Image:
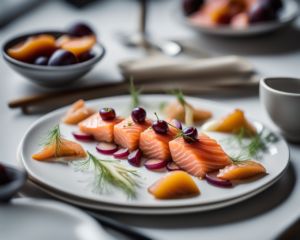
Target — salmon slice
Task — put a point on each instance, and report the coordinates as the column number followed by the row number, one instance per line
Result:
column 102, row 130
column 243, row 170
column 200, row 157
column 127, row 133
column 176, row 110
column 65, row 149
column 155, row 145
column 77, row 113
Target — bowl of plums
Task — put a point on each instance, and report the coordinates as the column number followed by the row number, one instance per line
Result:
column 54, row 58
column 238, row 17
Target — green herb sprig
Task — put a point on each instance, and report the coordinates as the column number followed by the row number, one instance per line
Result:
column 181, row 134
column 257, row 144
column 54, row 138
column 179, row 96
column 109, row 173
column 134, row 94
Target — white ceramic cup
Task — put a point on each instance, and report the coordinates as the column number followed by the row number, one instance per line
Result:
column 281, row 98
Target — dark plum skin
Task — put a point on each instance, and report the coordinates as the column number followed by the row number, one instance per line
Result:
column 191, row 6
column 138, row 115
column 276, row 4
column 261, row 11
column 107, row 113
column 4, row 177
column 86, row 56
column 41, row 61
column 160, row 126
column 192, row 133
column 79, row 30
column 62, row 57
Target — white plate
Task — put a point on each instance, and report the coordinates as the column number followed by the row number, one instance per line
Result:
column 46, row 219
column 63, row 178
column 35, row 190
column 136, row 210
column 288, row 14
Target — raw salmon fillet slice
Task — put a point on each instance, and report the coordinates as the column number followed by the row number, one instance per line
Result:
column 127, row 133
column 77, row 113
column 243, row 170
column 155, row 145
column 66, row 149
column 200, row 157
column 102, row 130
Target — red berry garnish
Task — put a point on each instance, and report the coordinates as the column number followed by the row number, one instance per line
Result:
column 107, row 113
column 160, row 126
column 138, row 115
column 190, row 132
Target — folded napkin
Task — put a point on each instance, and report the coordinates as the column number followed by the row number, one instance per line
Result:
column 159, row 67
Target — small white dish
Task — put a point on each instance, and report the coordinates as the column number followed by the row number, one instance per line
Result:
column 288, row 14
column 63, row 178
column 46, row 219
column 281, row 98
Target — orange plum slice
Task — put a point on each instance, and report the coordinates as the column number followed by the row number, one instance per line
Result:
column 241, row 170
column 33, row 47
column 233, row 123
column 79, row 45
column 77, row 113
column 61, row 40
column 66, row 148
column 176, row 184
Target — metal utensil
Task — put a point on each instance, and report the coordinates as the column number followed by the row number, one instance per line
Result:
column 140, row 38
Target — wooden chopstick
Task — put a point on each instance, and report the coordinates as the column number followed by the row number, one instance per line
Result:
column 188, row 87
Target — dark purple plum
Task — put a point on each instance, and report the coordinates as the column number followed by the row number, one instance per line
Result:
column 41, row 61
column 62, row 57
column 160, row 126
column 177, row 123
column 276, row 4
column 86, row 56
column 4, row 177
column 191, row 6
column 79, row 30
column 192, row 132
column 138, row 115
column 261, row 11
column 107, row 113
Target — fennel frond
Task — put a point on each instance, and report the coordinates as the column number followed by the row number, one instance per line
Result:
column 109, row 173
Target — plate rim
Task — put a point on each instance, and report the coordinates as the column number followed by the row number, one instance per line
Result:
column 60, row 110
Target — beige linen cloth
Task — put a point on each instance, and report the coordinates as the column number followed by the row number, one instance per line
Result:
column 191, row 74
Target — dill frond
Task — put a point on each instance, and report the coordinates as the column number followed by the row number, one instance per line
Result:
column 108, row 173
column 134, row 94
column 258, row 143
column 54, row 138
column 179, row 96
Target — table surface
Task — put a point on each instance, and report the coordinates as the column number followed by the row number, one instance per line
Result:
column 264, row 216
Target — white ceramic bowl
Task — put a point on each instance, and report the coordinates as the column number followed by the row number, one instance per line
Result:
column 51, row 76
column 281, row 98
